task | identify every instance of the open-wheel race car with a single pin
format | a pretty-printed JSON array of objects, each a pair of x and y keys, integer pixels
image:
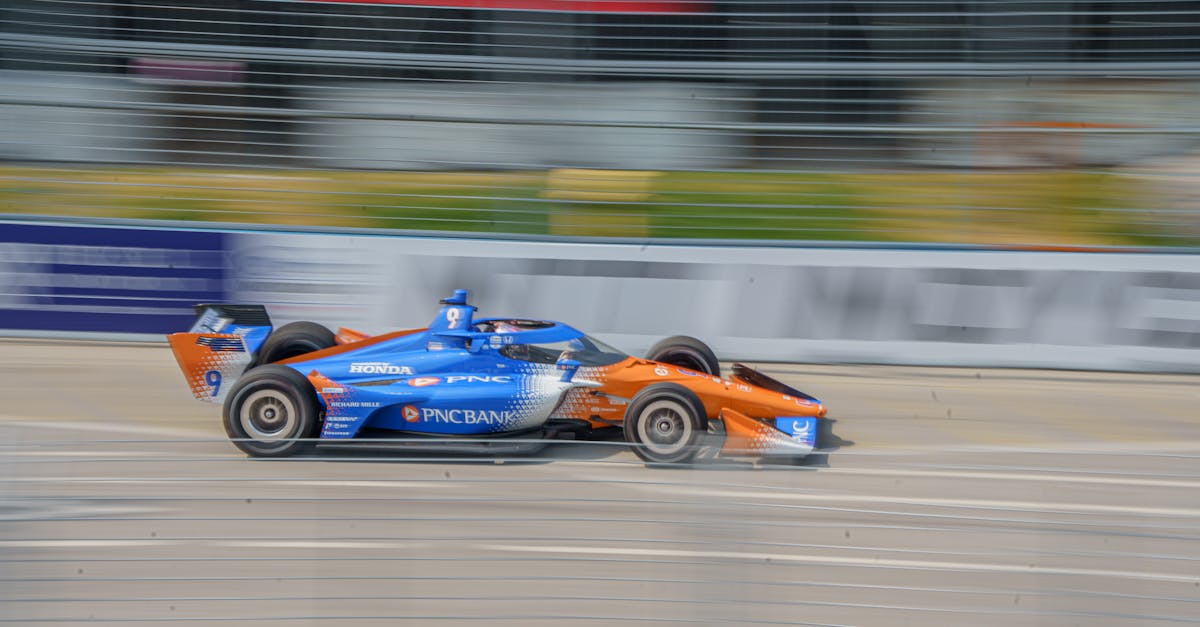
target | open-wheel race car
[{"x": 493, "y": 385}]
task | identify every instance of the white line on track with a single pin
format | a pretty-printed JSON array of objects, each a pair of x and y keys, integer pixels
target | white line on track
[
  {"x": 1124, "y": 448},
  {"x": 1048, "y": 477},
  {"x": 739, "y": 495},
  {"x": 845, "y": 561},
  {"x": 338, "y": 483},
  {"x": 607, "y": 470},
  {"x": 889, "y": 499},
  {"x": 310, "y": 544},
  {"x": 108, "y": 427},
  {"x": 84, "y": 455},
  {"x": 77, "y": 544},
  {"x": 331, "y": 483},
  {"x": 235, "y": 544}
]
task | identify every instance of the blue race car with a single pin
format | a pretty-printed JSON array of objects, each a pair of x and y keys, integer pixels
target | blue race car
[{"x": 495, "y": 385}]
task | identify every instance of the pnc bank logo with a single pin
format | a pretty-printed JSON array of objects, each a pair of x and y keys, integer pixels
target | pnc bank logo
[{"x": 411, "y": 414}]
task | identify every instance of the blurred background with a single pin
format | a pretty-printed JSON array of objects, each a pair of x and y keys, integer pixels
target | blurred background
[
  {"x": 1048, "y": 124},
  {"x": 844, "y": 194}
]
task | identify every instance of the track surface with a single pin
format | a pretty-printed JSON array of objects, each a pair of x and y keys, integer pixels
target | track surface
[{"x": 967, "y": 497}]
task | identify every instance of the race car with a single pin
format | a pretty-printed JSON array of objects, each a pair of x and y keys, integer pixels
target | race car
[{"x": 480, "y": 385}]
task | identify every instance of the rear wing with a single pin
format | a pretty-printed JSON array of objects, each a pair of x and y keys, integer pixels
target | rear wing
[
  {"x": 217, "y": 318},
  {"x": 219, "y": 346}
]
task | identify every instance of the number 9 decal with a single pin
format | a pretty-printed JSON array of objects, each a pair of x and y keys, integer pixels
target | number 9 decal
[
  {"x": 453, "y": 315},
  {"x": 213, "y": 378}
]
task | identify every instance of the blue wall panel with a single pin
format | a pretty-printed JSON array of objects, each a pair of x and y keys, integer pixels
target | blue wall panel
[{"x": 107, "y": 279}]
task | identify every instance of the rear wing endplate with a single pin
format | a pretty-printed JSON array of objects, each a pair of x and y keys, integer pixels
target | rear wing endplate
[{"x": 220, "y": 345}]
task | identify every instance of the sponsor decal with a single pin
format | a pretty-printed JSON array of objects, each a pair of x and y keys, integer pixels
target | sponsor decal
[
  {"x": 495, "y": 341},
  {"x": 660, "y": 371},
  {"x": 742, "y": 387},
  {"x": 690, "y": 373},
  {"x": 464, "y": 416},
  {"x": 354, "y": 404},
  {"x": 479, "y": 379},
  {"x": 411, "y": 414},
  {"x": 421, "y": 382},
  {"x": 786, "y": 397},
  {"x": 212, "y": 322},
  {"x": 333, "y": 390},
  {"x": 222, "y": 344},
  {"x": 213, "y": 379},
  {"x": 803, "y": 430},
  {"x": 378, "y": 367}
]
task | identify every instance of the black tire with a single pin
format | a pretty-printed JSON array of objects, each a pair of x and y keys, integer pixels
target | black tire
[
  {"x": 686, "y": 352},
  {"x": 293, "y": 340},
  {"x": 665, "y": 423},
  {"x": 271, "y": 411}
]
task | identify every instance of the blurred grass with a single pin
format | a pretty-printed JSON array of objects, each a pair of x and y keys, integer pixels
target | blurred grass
[{"x": 1043, "y": 208}]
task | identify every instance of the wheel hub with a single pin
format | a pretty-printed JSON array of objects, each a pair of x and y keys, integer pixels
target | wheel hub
[
  {"x": 666, "y": 427},
  {"x": 267, "y": 414}
]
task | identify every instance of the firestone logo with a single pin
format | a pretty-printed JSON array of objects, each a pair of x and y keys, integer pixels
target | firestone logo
[
  {"x": 378, "y": 367},
  {"x": 411, "y": 414}
]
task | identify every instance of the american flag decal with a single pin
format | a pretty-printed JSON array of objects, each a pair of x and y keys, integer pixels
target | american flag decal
[{"x": 221, "y": 344}]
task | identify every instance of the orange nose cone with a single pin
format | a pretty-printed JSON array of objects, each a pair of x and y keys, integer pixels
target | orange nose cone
[{"x": 821, "y": 411}]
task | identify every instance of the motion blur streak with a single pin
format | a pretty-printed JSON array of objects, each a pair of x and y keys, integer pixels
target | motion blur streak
[{"x": 1042, "y": 498}]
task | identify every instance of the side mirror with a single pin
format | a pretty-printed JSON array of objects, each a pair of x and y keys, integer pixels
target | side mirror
[{"x": 568, "y": 366}]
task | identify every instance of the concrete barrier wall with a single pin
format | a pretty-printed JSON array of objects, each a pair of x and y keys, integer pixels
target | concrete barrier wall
[
  {"x": 76, "y": 117},
  {"x": 1120, "y": 311},
  {"x": 592, "y": 125}
]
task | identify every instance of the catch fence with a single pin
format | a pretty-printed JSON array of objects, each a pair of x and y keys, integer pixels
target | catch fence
[{"x": 1014, "y": 123}]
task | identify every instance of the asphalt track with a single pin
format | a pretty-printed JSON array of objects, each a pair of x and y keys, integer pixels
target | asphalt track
[{"x": 959, "y": 497}]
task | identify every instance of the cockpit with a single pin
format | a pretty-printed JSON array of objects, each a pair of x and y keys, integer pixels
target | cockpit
[{"x": 588, "y": 351}]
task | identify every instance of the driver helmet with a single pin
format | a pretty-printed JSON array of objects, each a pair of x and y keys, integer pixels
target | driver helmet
[{"x": 502, "y": 326}]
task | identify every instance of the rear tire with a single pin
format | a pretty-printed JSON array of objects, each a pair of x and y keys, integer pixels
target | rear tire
[
  {"x": 665, "y": 423},
  {"x": 271, "y": 412},
  {"x": 293, "y": 340},
  {"x": 686, "y": 352}
]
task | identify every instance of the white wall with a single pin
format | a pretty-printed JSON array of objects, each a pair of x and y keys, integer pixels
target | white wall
[{"x": 930, "y": 307}]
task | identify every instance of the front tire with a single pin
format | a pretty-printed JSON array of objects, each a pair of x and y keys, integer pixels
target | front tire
[
  {"x": 665, "y": 423},
  {"x": 293, "y": 340},
  {"x": 686, "y": 352},
  {"x": 271, "y": 412}
]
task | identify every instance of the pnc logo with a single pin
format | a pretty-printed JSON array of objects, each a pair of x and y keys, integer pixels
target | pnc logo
[
  {"x": 421, "y": 382},
  {"x": 411, "y": 414}
]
